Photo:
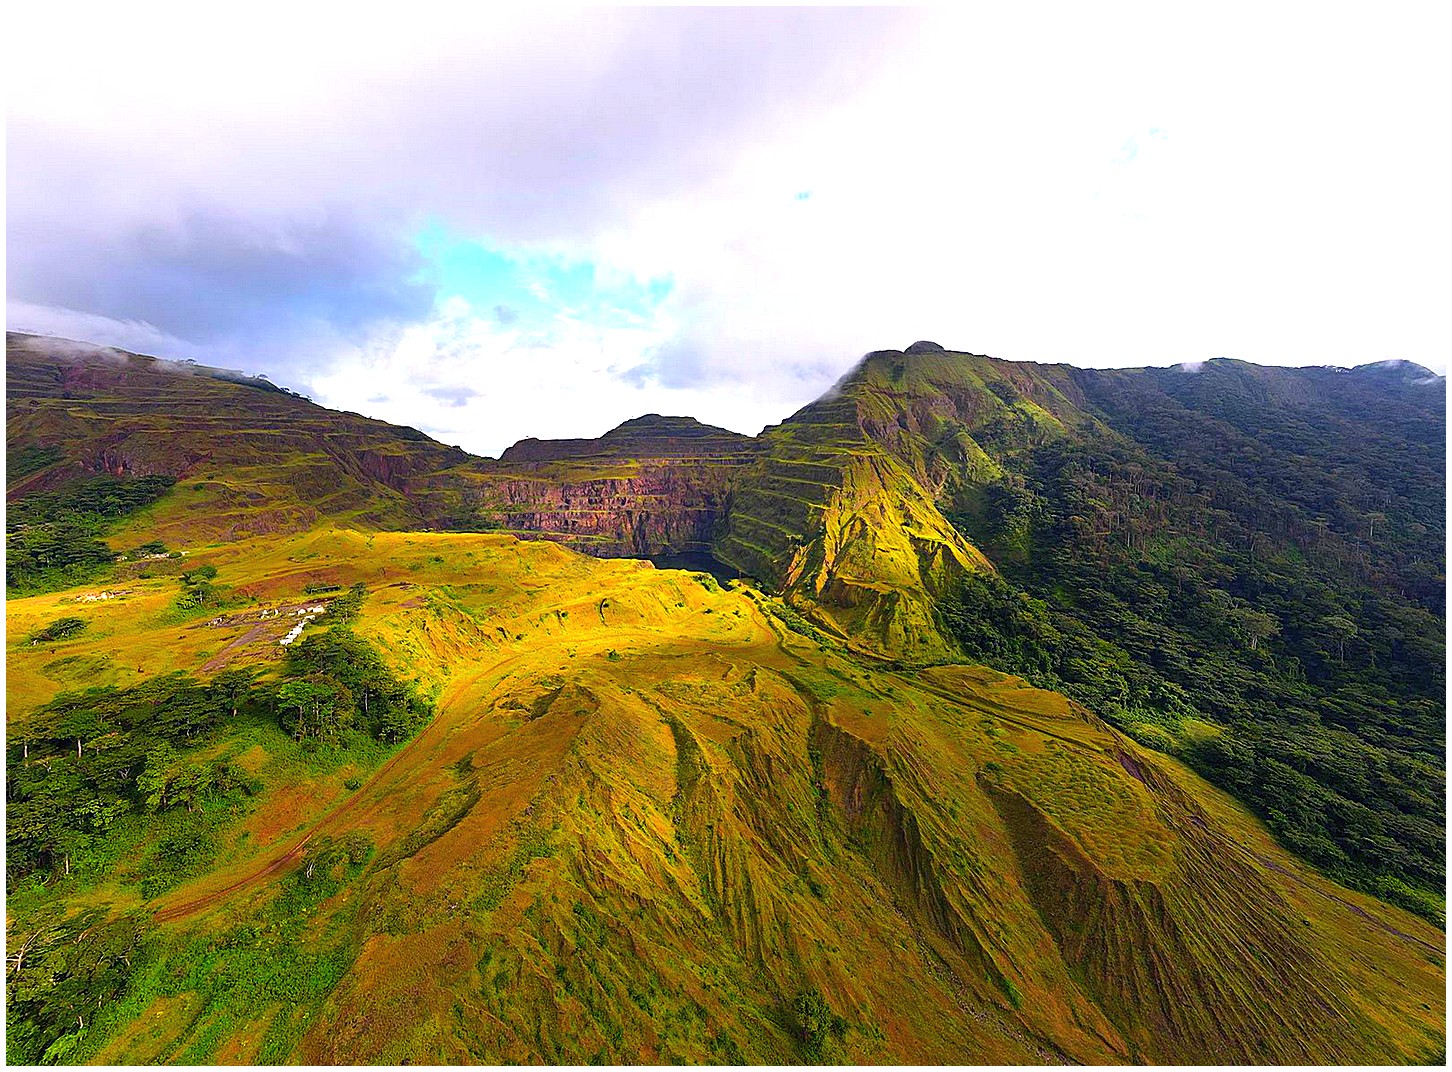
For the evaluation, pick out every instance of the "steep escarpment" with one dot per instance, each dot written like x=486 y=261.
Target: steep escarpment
x=885 y=830
x=844 y=528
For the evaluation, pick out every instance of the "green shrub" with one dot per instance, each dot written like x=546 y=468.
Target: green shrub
x=1424 y=903
x=199 y=592
x=817 y=1026
x=345 y=608
x=358 y=846
x=60 y=629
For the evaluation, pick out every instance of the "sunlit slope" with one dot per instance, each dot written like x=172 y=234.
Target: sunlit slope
x=250 y=458
x=852 y=537
x=649 y=821
x=846 y=509
x=909 y=419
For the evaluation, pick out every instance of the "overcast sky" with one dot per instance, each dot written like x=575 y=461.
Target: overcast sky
x=500 y=225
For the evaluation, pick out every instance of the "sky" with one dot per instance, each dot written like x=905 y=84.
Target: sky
x=506 y=223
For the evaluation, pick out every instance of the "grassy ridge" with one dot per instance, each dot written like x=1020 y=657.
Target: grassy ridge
x=654 y=821
x=1242 y=566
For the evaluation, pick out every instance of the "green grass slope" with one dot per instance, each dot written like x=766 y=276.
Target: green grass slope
x=651 y=820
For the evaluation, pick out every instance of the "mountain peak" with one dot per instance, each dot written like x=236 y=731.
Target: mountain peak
x=1399 y=369
x=655 y=424
x=650 y=433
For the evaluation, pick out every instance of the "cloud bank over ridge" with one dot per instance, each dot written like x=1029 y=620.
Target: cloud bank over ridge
x=545 y=223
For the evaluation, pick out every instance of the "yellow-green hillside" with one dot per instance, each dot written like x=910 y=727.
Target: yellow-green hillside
x=650 y=821
x=495 y=800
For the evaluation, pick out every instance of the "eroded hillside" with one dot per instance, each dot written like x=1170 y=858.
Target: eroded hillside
x=651 y=821
x=249 y=457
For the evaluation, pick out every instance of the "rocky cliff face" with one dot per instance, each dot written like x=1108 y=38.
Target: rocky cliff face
x=661 y=508
x=655 y=485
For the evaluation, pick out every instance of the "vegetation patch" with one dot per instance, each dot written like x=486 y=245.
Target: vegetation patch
x=817 y=1026
x=60 y=629
x=455 y=803
x=53 y=538
x=199 y=593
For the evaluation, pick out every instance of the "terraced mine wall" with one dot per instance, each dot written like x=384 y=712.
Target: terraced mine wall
x=663 y=508
x=654 y=486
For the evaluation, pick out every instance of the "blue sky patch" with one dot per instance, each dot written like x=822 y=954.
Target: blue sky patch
x=529 y=291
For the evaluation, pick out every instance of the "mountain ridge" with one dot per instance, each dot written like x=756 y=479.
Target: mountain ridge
x=655 y=817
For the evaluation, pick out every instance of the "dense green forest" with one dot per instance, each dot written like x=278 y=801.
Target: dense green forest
x=53 y=538
x=1250 y=591
x=87 y=760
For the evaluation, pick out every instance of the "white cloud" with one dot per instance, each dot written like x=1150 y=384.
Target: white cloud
x=1280 y=206
x=1107 y=185
x=135 y=335
x=466 y=379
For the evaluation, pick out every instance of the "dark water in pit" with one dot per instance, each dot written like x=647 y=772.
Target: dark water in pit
x=697 y=561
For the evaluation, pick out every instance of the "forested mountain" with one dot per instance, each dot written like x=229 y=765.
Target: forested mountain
x=1241 y=565
x=322 y=748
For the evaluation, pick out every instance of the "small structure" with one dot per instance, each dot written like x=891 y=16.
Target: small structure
x=307 y=614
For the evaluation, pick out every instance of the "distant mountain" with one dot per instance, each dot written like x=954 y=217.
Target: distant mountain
x=251 y=457
x=651 y=434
